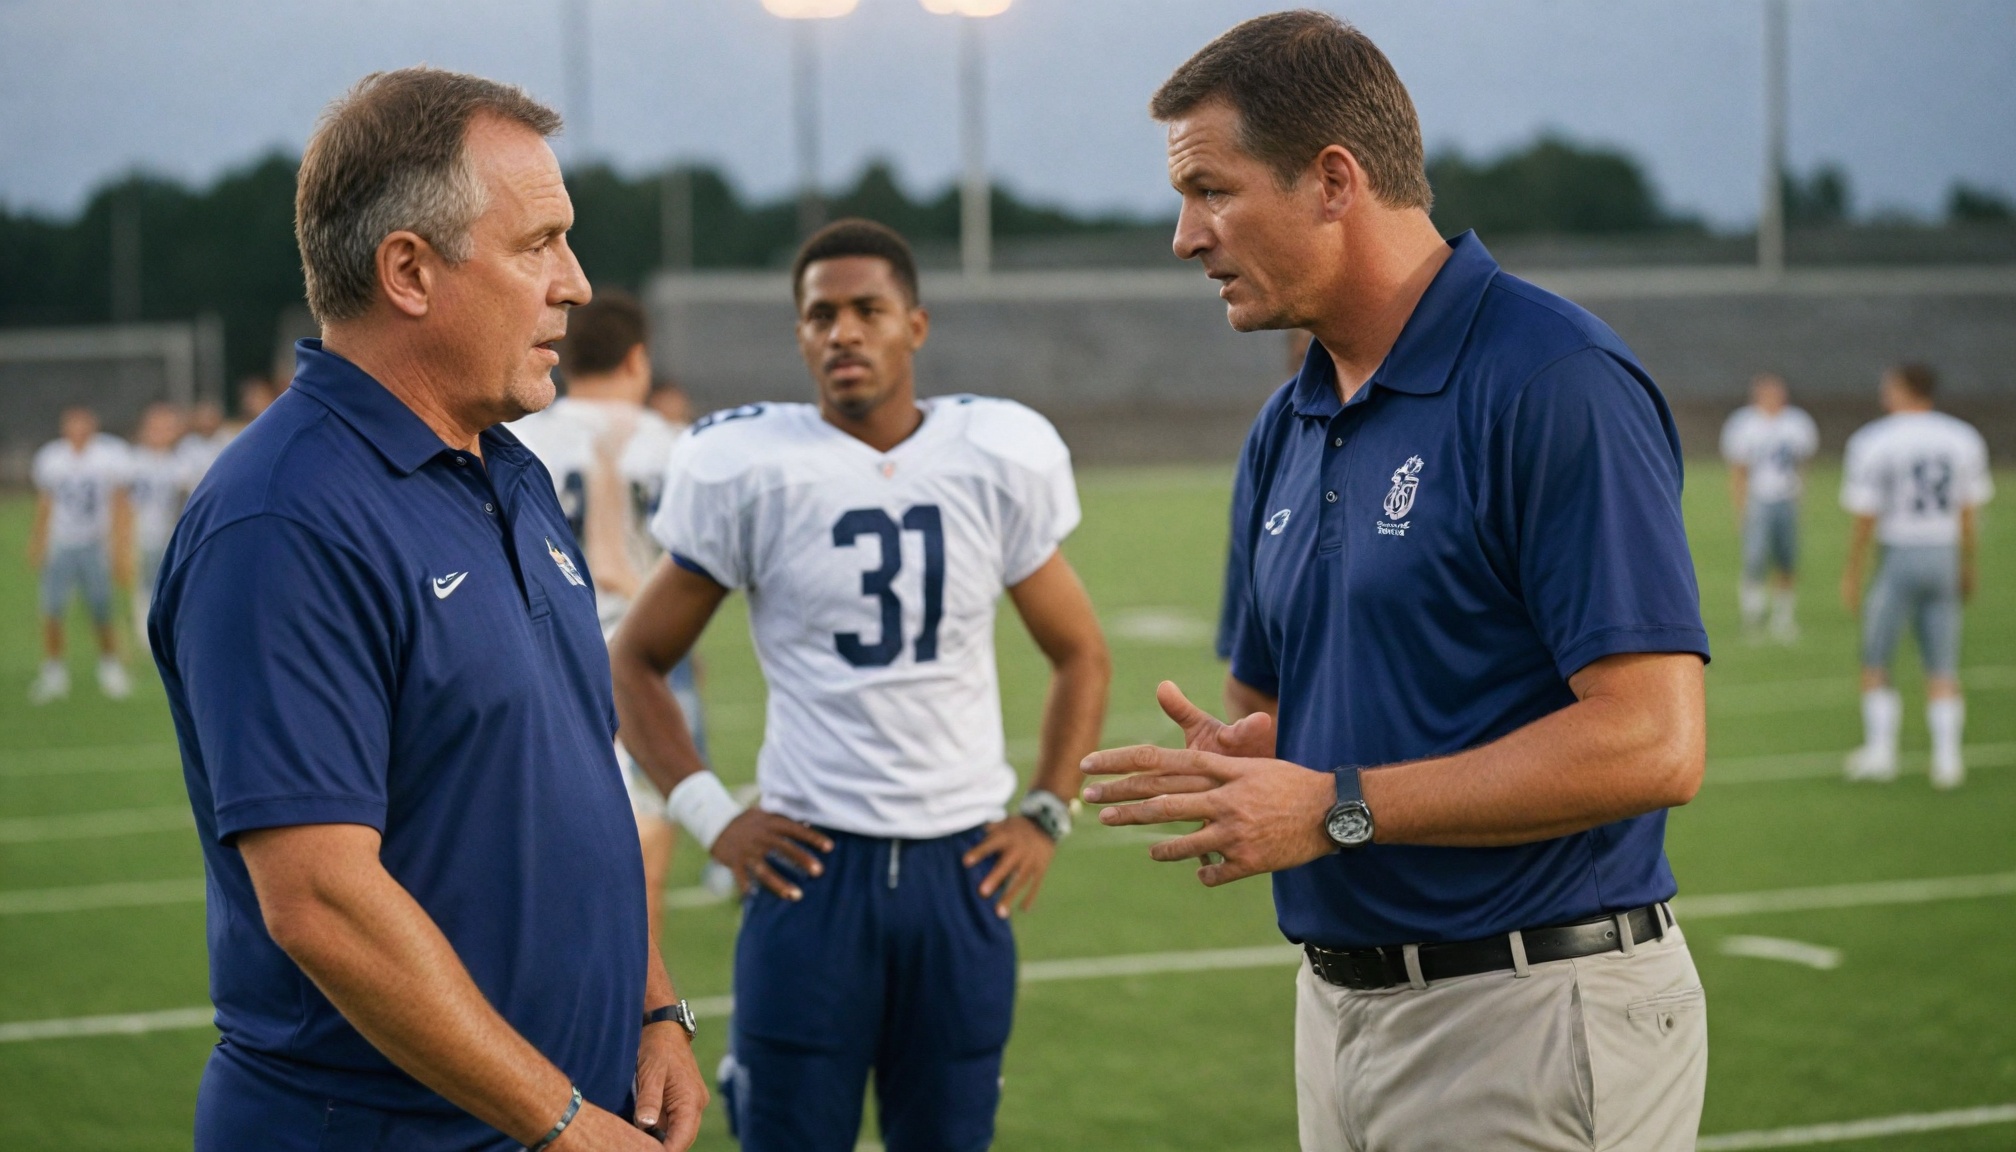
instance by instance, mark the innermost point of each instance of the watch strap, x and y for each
(1350, 786)
(676, 1013)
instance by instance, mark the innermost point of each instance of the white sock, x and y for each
(1754, 599)
(53, 668)
(1882, 711)
(1783, 601)
(1947, 717)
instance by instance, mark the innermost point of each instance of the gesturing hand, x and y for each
(1024, 852)
(748, 841)
(1251, 735)
(671, 1092)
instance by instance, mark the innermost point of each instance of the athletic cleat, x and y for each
(1948, 776)
(113, 680)
(1865, 764)
(51, 684)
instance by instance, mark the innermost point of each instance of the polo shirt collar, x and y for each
(1425, 353)
(381, 418)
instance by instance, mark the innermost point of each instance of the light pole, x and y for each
(574, 63)
(805, 96)
(976, 224)
(1771, 213)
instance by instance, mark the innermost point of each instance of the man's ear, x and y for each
(1340, 180)
(407, 264)
(920, 327)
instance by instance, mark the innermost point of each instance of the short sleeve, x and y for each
(42, 471)
(1593, 509)
(1240, 632)
(704, 524)
(1043, 510)
(1809, 437)
(1979, 484)
(1732, 438)
(1861, 482)
(287, 652)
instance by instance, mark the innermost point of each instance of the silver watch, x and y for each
(1048, 811)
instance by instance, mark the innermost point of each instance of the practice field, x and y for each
(1858, 942)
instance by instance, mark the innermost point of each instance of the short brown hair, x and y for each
(1302, 81)
(856, 237)
(1918, 379)
(390, 155)
(601, 333)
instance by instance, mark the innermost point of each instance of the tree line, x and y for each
(228, 248)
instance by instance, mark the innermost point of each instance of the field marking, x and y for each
(1813, 956)
(23, 763)
(1846, 896)
(92, 825)
(1203, 960)
(1771, 697)
(83, 897)
(1821, 765)
(1809, 1134)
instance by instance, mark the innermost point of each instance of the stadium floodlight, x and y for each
(805, 95)
(1771, 212)
(976, 225)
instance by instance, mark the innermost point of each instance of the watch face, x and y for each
(1350, 825)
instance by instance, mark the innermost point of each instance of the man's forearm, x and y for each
(382, 961)
(654, 729)
(1634, 744)
(1073, 714)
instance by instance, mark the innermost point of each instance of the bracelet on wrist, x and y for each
(566, 1118)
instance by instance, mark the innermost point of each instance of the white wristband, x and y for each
(702, 805)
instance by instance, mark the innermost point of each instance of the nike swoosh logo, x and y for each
(444, 586)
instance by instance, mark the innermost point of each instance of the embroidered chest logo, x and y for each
(1400, 498)
(565, 564)
(1277, 522)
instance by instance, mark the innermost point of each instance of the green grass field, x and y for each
(1919, 1016)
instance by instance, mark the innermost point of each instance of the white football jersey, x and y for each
(80, 487)
(872, 581)
(568, 436)
(160, 482)
(1772, 447)
(199, 452)
(1914, 472)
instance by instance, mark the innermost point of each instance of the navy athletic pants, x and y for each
(892, 963)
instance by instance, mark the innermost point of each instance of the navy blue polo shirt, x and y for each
(1426, 567)
(358, 624)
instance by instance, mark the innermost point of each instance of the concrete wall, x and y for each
(1141, 365)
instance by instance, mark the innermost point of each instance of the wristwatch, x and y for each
(678, 1014)
(1349, 824)
(1047, 811)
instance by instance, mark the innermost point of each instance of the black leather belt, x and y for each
(1372, 968)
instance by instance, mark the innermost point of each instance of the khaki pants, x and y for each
(1605, 1052)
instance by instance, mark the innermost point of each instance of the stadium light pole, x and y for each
(1771, 213)
(805, 95)
(976, 193)
(574, 63)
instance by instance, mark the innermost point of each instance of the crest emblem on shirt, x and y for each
(1278, 522)
(1406, 480)
(565, 563)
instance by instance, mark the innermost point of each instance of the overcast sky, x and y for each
(1908, 95)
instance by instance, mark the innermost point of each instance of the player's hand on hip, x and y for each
(671, 1092)
(1022, 853)
(1259, 815)
(594, 1130)
(749, 841)
(1248, 736)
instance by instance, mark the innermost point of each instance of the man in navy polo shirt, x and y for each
(1467, 672)
(427, 920)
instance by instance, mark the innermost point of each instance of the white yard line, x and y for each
(83, 897)
(1813, 956)
(92, 825)
(1846, 896)
(1809, 1134)
(130, 1024)
(1822, 765)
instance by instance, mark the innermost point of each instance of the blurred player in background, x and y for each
(206, 437)
(255, 395)
(874, 535)
(160, 478)
(669, 400)
(607, 452)
(81, 539)
(1912, 480)
(1767, 444)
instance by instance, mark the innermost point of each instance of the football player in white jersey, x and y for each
(1913, 480)
(82, 537)
(1767, 444)
(873, 535)
(161, 478)
(207, 436)
(606, 452)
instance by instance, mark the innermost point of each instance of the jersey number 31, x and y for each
(880, 582)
